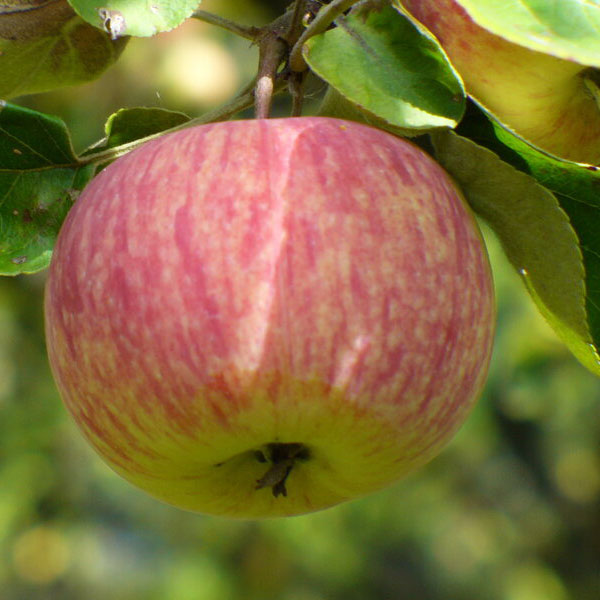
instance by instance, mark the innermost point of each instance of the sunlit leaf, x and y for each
(565, 28)
(134, 17)
(383, 64)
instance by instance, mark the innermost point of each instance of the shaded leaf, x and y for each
(535, 227)
(45, 45)
(134, 17)
(383, 64)
(567, 29)
(577, 188)
(40, 177)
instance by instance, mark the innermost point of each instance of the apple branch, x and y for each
(275, 42)
(248, 32)
(323, 19)
(296, 22)
(272, 51)
(296, 89)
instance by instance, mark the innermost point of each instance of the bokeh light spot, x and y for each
(41, 555)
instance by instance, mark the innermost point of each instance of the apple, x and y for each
(549, 101)
(268, 317)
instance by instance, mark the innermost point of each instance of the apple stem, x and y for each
(283, 458)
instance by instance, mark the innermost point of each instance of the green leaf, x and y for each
(574, 185)
(539, 224)
(40, 177)
(47, 46)
(383, 64)
(134, 17)
(335, 105)
(130, 124)
(127, 129)
(567, 29)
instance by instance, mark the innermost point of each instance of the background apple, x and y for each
(297, 304)
(547, 100)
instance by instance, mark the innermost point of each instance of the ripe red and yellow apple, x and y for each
(549, 101)
(265, 318)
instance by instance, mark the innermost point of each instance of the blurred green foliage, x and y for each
(510, 511)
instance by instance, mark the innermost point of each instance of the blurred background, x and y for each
(510, 511)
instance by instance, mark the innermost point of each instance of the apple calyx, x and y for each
(282, 458)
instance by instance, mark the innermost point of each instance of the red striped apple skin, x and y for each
(281, 281)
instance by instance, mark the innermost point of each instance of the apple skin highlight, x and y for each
(286, 281)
